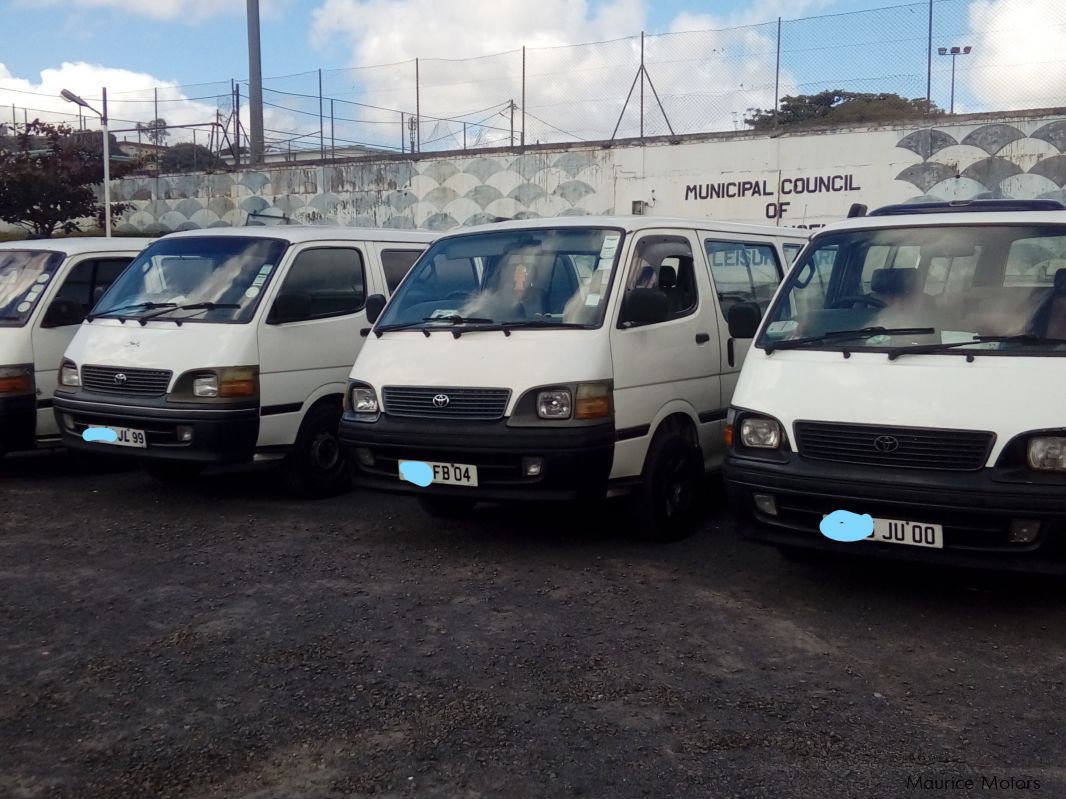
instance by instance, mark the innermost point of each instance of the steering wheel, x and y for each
(864, 299)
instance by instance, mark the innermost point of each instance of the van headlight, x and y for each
(1047, 453)
(227, 382)
(362, 400)
(68, 375)
(554, 404)
(760, 433)
(16, 380)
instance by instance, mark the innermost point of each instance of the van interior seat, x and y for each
(1050, 317)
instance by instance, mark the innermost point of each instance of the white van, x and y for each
(230, 345)
(560, 359)
(46, 289)
(909, 372)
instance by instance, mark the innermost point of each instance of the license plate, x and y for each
(124, 437)
(915, 534)
(455, 474)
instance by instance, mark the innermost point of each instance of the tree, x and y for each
(47, 174)
(838, 107)
(188, 157)
(155, 131)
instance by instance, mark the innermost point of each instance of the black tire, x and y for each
(173, 471)
(667, 504)
(447, 507)
(317, 466)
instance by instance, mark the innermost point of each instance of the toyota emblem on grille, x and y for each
(886, 443)
(120, 379)
(441, 401)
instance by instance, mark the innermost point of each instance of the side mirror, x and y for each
(375, 304)
(292, 306)
(63, 312)
(744, 318)
(646, 307)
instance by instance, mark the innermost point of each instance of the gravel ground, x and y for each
(221, 640)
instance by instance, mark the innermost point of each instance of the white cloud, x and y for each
(130, 98)
(706, 80)
(1018, 60)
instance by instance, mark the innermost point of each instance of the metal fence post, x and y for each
(418, 112)
(929, 66)
(321, 117)
(403, 135)
(777, 72)
(523, 139)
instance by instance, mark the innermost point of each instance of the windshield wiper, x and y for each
(544, 323)
(193, 306)
(1022, 338)
(457, 319)
(844, 335)
(146, 306)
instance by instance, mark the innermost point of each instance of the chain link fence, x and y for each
(1007, 56)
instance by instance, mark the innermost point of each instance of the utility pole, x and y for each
(255, 84)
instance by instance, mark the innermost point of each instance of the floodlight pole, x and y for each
(70, 97)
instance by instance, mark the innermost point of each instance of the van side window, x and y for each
(333, 277)
(88, 280)
(791, 251)
(743, 271)
(396, 264)
(663, 264)
(887, 256)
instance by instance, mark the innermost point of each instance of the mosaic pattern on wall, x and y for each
(992, 161)
(436, 194)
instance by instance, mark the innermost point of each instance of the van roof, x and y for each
(952, 218)
(297, 234)
(632, 224)
(80, 245)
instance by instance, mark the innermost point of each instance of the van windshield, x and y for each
(545, 277)
(997, 289)
(24, 277)
(227, 271)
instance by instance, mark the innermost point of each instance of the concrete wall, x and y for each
(807, 178)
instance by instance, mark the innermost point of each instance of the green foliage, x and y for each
(838, 107)
(47, 174)
(187, 157)
(155, 131)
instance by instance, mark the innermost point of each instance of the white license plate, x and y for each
(915, 534)
(455, 474)
(124, 437)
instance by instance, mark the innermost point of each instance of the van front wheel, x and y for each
(317, 467)
(666, 505)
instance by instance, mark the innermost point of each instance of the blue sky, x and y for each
(200, 45)
(188, 50)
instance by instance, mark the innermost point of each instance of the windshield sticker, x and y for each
(443, 313)
(43, 278)
(252, 292)
(787, 326)
(24, 306)
(33, 293)
(592, 300)
(610, 245)
(259, 280)
(266, 269)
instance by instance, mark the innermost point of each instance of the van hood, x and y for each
(1006, 395)
(163, 345)
(484, 359)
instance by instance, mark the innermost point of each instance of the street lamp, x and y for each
(70, 97)
(954, 52)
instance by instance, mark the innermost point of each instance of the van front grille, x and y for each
(119, 380)
(480, 404)
(904, 447)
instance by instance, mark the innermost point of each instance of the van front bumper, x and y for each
(219, 435)
(976, 510)
(18, 422)
(575, 461)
